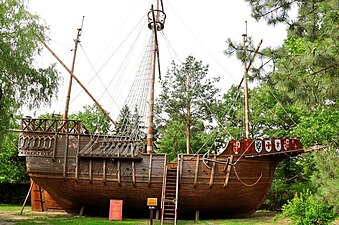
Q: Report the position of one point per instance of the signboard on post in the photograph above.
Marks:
(152, 202)
(115, 209)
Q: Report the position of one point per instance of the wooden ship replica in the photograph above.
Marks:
(76, 168)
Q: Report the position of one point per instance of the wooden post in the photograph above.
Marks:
(196, 215)
(151, 208)
(29, 191)
(196, 172)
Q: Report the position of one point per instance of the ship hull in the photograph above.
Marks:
(217, 200)
(80, 170)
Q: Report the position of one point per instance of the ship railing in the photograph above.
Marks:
(52, 126)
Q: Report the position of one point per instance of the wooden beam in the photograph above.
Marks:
(133, 173)
(104, 170)
(77, 80)
(150, 169)
(228, 171)
(212, 173)
(65, 155)
(181, 159)
(119, 172)
(196, 172)
(55, 143)
(77, 161)
(90, 172)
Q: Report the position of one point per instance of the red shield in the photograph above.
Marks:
(236, 147)
(286, 144)
(248, 146)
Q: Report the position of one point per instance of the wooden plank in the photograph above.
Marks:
(119, 173)
(133, 173)
(212, 173)
(228, 171)
(65, 156)
(77, 160)
(55, 144)
(150, 169)
(196, 172)
(181, 159)
(90, 173)
(104, 170)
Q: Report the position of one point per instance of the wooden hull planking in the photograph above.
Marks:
(83, 170)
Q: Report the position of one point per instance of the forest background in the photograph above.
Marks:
(296, 94)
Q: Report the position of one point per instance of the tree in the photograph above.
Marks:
(22, 82)
(304, 77)
(129, 124)
(187, 96)
(306, 66)
(124, 121)
(93, 119)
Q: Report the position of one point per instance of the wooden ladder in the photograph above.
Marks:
(170, 195)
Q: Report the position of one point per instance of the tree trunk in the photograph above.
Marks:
(188, 135)
(188, 130)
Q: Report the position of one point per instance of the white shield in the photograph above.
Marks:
(258, 146)
(277, 144)
(268, 145)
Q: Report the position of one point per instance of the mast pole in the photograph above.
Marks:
(76, 42)
(247, 123)
(150, 130)
(155, 23)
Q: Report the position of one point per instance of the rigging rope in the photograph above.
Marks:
(247, 185)
(113, 54)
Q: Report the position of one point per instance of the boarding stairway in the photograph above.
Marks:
(170, 195)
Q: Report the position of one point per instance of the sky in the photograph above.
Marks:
(110, 28)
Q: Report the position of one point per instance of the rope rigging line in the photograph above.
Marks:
(113, 54)
(170, 47)
(124, 64)
(137, 97)
(247, 185)
(201, 44)
(97, 75)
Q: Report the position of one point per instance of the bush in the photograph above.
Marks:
(306, 209)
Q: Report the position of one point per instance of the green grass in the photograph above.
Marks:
(10, 213)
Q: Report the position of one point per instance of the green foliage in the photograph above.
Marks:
(22, 82)
(291, 176)
(325, 177)
(319, 127)
(297, 92)
(306, 209)
(186, 98)
(129, 123)
(230, 114)
(12, 167)
(20, 79)
(93, 119)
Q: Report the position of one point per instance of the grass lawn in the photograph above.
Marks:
(9, 214)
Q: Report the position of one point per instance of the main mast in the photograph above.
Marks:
(156, 22)
(76, 42)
